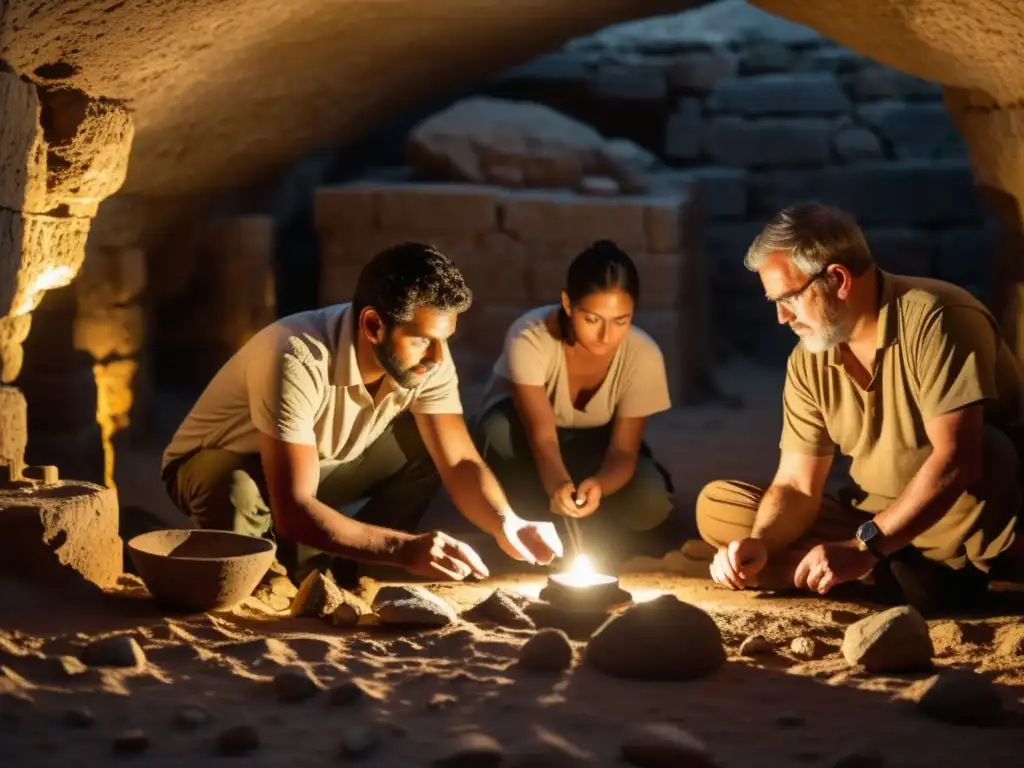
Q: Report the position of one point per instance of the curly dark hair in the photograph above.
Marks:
(402, 278)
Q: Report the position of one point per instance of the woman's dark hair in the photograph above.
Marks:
(601, 267)
(402, 278)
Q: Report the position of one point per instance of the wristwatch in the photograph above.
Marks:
(869, 536)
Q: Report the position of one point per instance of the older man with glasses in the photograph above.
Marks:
(911, 379)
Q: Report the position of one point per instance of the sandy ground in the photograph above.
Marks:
(771, 711)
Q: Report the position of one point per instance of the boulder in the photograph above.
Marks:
(895, 640)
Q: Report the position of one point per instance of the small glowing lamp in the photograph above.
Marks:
(582, 574)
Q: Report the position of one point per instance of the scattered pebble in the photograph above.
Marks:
(503, 607)
(80, 717)
(121, 651)
(441, 701)
(805, 647)
(663, 745)
(895, 640)
(358, 740)
(947, 637)
(687, 645)
(470, 750)
(294, 684)
(345, 694)
(317, 596)
(237, 740)
(191, 717)
(755, 645)
(412, 606)
(547, 651)
(960, 698)
(131, 742)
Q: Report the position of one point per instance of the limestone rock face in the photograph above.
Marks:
(60, 533)
(13, 427)
(661, 639)
(520, 144)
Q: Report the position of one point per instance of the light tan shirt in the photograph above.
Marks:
(298, 380)
(939, 349)
(636, 384)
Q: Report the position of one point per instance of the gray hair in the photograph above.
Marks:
(814, 236)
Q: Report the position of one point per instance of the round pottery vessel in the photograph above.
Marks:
(197, 570)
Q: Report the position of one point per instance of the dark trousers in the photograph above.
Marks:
(395, 479)
(624, 522)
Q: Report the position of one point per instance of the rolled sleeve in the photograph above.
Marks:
(803, 424)
(282, 393)
(440, 394)
(956, 361)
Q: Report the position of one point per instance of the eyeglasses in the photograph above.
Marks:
(787, 300)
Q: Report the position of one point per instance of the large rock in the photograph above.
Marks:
(960, 698)
(770, 142)
(661, 639)
(317, 596)
(13, 429)
(60, 533)
(37, 253)
(514, 144)
(412, 606)
(915, 130)
(22, 149)
(547, 651)
(13, 332)
(502, 607)
(780, 94)
(895, 640)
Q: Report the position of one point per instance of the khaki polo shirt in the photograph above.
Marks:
(298, 380)
(939, 349)
(636, 384)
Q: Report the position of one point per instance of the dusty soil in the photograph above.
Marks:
(425, 686)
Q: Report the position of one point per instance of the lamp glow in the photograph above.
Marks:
(582, 574)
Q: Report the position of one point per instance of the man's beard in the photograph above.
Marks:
(392, 366)
(834, 327)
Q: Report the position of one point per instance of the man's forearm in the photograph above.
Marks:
(313, 523)
(477, 494)
(928, 496)
(784, 515)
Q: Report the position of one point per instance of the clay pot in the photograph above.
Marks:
(197, 570)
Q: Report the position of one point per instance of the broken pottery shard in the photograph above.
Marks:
(412, 606)
(687, 645)
(895, 640)
(502, 607)
(547, 651)
(961, 698)
(470, 749)
(317, 596)
(352, 609)
(663, 745)
(119, 651)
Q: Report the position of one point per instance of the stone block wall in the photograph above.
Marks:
(514, 249)
(765, 113)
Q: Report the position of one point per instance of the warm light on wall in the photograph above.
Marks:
(52, 277)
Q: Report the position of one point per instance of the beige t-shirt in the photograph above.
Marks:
(298, 380)
(938, 350)
(636, 384)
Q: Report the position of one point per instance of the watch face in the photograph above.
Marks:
(867, 531)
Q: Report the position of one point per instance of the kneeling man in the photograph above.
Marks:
(351, 404)
(911, 379)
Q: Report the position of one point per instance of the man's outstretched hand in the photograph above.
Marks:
(737, 564)
(532, 542)
(437, 555)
